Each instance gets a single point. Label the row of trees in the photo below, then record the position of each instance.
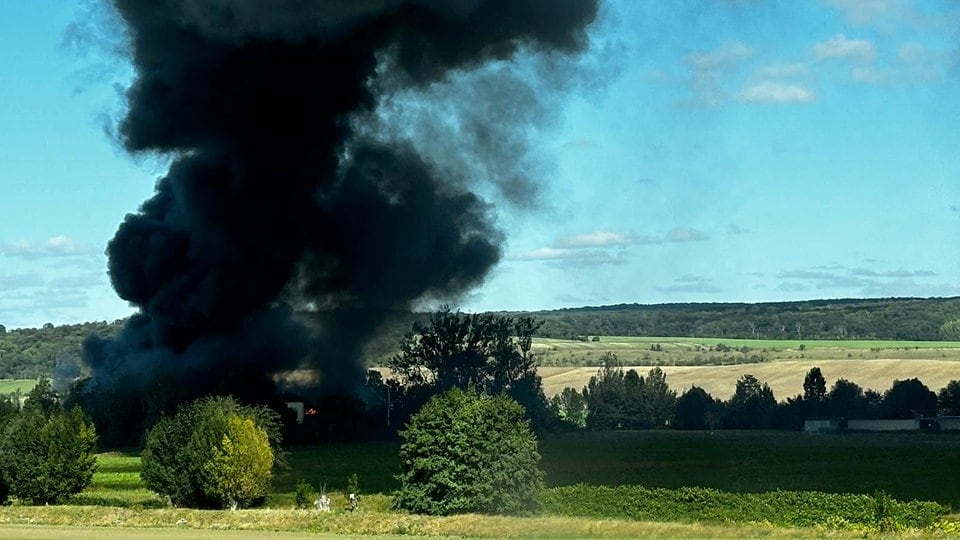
(886, 318)
(614, 399)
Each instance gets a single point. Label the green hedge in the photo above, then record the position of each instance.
(782, 508)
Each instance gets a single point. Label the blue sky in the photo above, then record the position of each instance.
(712, 152)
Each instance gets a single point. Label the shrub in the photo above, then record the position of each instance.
(781, 508)
(47, 457)
(213, 453)
(469, 452)
(304, 494)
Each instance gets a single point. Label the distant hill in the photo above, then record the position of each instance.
(32, 352)
(28, 353)
(915, 319)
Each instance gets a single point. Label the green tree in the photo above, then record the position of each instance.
(606, 396)
(752, 404)
(695, 409)
(46, 458)
(660, 400)
(570, 407)
(950, 330)
(462, 350)
(814, 386)
(210, 454)
(905, 397)
(42, 399)
(239, 470)
(949, 398)
(487, 352)
(469, 452)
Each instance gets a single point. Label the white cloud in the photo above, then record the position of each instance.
(777, 92)
(545, 253)
(682, 234)
(596, 239)
(56, 246)
(840, 47)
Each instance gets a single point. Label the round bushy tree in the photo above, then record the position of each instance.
(48, 456)
(213, 453)
(469, 452)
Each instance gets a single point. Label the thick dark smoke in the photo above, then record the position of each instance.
(278, 200)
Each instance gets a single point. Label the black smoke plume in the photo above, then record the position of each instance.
(276, 199)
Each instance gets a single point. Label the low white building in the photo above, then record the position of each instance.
(883, 425)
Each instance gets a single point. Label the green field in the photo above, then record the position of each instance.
(10, 386)
(907, 466)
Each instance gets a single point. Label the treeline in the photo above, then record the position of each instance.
(616, 399)
(31, 353)
(915, 319)
(28, 353)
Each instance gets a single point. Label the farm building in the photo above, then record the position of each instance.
(821, 425)
(948, 423)
(912, 424)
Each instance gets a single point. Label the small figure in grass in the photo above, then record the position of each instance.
(353, 488)
(322, 503)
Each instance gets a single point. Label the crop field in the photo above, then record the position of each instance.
(715, 364)
(10, 386)
(907, 466)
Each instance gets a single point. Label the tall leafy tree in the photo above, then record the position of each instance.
(469, 452)
(906, 397)
(752, 404)
(814, 386)
(695, 409)
(489, 353)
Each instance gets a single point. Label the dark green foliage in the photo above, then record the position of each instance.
(41, 399)
(814, 386)
(45, 458)
(570, 407)
(618, 400)
(30, 353)
(752, 405)
(486, 352)
(949, 398)
(469, 452)
(781, 508)
(304, 494)
(179, 449)
(885, 318)
(696, 409)
(906, 397)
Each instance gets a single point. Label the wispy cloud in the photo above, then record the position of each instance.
(867, 281)
(56, 246)
(689, 283)
(777, 92)
(683, 234)
(604, 246)
(899, 273)
(840, 47)
(596, 239)
(709, 71)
